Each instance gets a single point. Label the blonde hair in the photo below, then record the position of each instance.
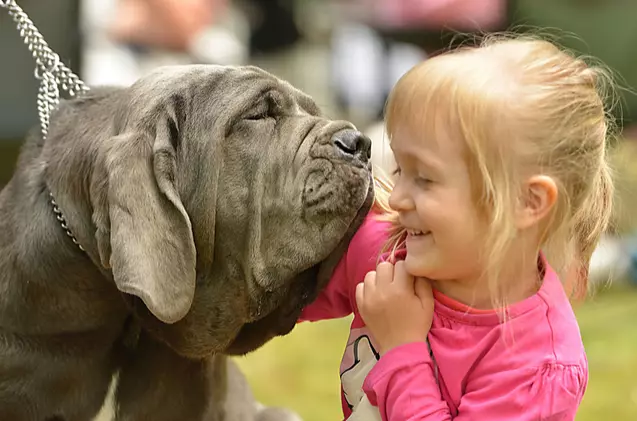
(522, 106)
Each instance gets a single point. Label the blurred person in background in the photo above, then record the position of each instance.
(191, 26)
(124, 39)
(376, 41)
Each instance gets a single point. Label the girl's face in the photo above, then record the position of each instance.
(433, 198)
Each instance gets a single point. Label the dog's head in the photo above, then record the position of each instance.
(225, 203)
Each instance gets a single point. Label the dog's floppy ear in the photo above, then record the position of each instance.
(150, 249)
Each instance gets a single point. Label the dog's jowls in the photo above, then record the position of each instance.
(212, 203)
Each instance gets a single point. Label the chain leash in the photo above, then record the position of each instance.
(49, 70)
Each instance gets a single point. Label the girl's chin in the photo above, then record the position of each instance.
(417, 245)
(417, 264)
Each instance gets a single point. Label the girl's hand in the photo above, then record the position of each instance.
(396, 307)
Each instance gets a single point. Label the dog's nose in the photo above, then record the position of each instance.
(353, 143)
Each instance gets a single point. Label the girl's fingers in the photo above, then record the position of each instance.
(424, 292)
(384, 274)
(402, 278)
(360, 295)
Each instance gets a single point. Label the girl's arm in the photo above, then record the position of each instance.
(337, 299)
(403, 386)
(333, 302)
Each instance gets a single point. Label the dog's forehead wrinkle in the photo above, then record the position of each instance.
(304, 103)
(161, 84)
(192, 73)
(217, 87)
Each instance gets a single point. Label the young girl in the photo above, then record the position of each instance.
(502, 189)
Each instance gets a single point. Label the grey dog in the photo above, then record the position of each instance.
(160, 228)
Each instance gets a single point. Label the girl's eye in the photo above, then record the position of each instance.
(423, 182)
(396, 171)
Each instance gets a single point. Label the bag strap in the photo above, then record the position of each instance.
(49, 70)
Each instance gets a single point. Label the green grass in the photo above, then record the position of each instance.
(609, 329)
(300, 371)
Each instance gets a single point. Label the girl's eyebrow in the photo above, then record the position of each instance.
(426, 167)
(419, 160)
(429, 164)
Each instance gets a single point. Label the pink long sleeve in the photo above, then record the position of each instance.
(403, 386)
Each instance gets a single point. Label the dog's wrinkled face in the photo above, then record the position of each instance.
(260, 194)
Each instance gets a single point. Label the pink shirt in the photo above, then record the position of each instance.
(531, 368)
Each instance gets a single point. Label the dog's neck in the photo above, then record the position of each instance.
(42, 266)
(60, 217)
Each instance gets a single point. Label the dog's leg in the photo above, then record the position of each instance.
(157, 384)
(40, 383)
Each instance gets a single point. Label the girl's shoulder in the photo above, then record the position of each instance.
(563, 329)
(367, 245)
(374, 240)
(372, 234)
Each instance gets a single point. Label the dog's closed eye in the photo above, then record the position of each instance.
(270, 106)
(258, 115)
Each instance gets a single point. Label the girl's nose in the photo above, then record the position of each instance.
(399, 200)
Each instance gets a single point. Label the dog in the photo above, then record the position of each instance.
(160, 228)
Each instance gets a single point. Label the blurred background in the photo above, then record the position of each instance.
(347, 54)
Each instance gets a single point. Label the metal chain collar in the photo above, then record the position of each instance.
(60, 217)
(49, 70)
(52, 74)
